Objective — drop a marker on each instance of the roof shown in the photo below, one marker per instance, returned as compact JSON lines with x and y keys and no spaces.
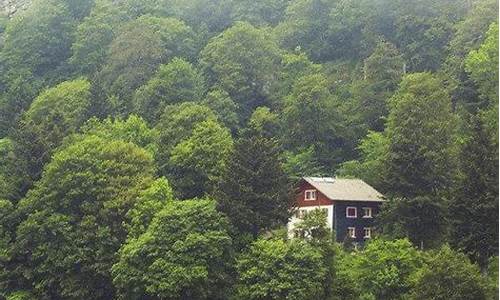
{"x":345,"y":189}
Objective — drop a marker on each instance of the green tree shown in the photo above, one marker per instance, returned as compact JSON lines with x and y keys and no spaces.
{"x":194,"y":258}
{"x":7,"y":230}
{"x":197,"y":162}
{"x":178,"y":39}
{"x":468,"y":36}
{"x":207,"y":17}
{"x":65,"y":105}
{"x":133,"y":56}
{"x":72,"y":221}
{"x":382,"y":72}
{"x":492,"y":273}
{"x":9,"y":180}
{"x":421,"y":219}
{"x":174,"y":82}
{"x":311,"y":117}
{"x":384,"y":67}
{"x":38,"y":40}
{"x":448,"y":275}
{"x":315,"y":231}
{"x":277,"y":269}
{"x":175,"y":125}
{"x":304,"y":26}
{"x":53,"y":115}
{"x":264,"y":122}
{"x":301,"y":162}
{"x":150,"y":201}
{"x":481,"y":64}
{"x":384,"y":268}
{"x":20,"y":91}
{"x":224,"y":107}
{"x":475,"y":202}
{"x":421,"y":160}
{"x":420,"y":129}
{"x":260,"y":12}
{"x":371,"y":166}
{"x":293,"y":67}
{"x":94,"y":35}
{"x":133,"y":129}
{"x":423,"y":40}
{"x":253,"y":191}
{"x":244,"y":61}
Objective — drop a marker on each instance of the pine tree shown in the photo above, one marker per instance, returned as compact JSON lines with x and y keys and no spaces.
{"x":474,"y":210}
{"x":420,"y":129}
{"x":253,"y":191}
{"x":420,"y":160}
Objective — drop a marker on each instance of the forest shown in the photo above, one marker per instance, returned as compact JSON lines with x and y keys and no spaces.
{"x":149,"y":149}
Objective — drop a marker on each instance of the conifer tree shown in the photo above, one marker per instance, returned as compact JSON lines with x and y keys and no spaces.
{"x":420,"y":160}
{"x":253,"y":192}
{"x":420,"y":129}
{"x":474,"y":209}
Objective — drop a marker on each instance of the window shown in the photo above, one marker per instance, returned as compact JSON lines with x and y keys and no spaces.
{"x":367,"y":232}
{"x":351,"y":232}
{"x":351,"y":212}
{"x":367,"y":212}
{"x":310,"y":195}
{"x":300,"y":214}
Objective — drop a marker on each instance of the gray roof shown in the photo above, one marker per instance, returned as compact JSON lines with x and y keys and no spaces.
{"x":344,"y":189}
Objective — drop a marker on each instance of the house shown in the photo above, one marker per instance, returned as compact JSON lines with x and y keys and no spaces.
{"x":351,"y":206}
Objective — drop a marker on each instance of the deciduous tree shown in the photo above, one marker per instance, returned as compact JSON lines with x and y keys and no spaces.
{"x":192,"y":263}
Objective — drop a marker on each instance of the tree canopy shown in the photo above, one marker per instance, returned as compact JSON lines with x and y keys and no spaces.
{"x":151,"y":149}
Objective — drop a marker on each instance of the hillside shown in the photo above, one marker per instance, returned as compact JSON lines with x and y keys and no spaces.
{"x":152,"y":149}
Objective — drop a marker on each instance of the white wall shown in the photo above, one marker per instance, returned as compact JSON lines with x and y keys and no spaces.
{"x":294,"y":220}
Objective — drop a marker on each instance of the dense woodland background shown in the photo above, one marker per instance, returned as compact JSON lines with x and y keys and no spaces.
{"x":149,"y":147}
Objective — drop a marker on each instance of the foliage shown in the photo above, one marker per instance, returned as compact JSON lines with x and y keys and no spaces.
{"x":72,"y":220}
{"x":17,"y":97}
{"x":113,"y":111}
{"x":94,"y":35}
{"x":421,"y":219}
{"x":311,"y":116}
{"x":253,"y":191}
{"x":420,"y":129}
{"x":174,"y":83}
{"x":371,"y":166}
{"x":276,"y":269}
{"x":259,"y":12}
{"x":199,"y":161}
{"x":54,"y":114}
{"x":133,"y":129}
{"x":264,"y":122}
{"x":181,"y":140}
{"x":383,"y":268}
{"x":243,"y":61}
{"x":304,"y":25}
{"x":301,"y":162}
{"x":314,"y":230}
{"x":133,"y":56}
{"x":492,"y":273}
{"x":476,"y":199}
{"x":224,"y":107}
{"x":482,"y":65}
{"x":60,"y":110}
{"x":194,"y":257}
{"x":38,"y":40}
{"x":150,"y":201}
{"x":448,"y":275}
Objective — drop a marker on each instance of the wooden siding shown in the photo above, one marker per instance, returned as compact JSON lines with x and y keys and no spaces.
{"x":300,"y":196}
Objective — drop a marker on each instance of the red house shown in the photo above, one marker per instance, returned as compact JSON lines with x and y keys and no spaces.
{"x":351,"y":205}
